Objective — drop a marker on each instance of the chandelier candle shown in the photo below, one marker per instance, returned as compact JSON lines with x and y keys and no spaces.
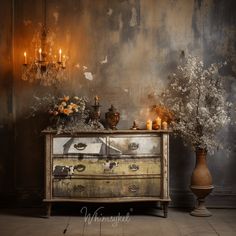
{"x":40,"y":54}
{"x":59,"y":59}
{"x":64,"y":61}
{"x":25,"y":58}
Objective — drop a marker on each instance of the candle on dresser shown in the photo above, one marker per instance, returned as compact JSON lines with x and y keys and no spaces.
{"x":158,"y":122}
{"x":164,"y":125}
{"x":25,"y":58}
{"x":149,"y":125}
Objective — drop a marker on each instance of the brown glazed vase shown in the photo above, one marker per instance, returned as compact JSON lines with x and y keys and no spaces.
{"x":201,"y":183}
{"x":112,"y":117}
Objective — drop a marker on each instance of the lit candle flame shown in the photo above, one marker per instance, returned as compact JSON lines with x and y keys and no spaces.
{"x":25,"y":61}
{"x":40,"y":54}
{"x":59,"y":59}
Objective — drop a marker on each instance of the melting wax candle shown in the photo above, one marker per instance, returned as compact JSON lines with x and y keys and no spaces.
{"x":149,"y":125}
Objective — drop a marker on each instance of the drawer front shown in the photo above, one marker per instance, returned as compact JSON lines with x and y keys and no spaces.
{"x":134,"y":145}
{"x":106,"y":188}
{"x":79,"y":145}
{"x":94,"y":166}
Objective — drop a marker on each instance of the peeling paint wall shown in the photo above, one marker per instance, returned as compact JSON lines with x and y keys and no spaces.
{"x":122,"y":51}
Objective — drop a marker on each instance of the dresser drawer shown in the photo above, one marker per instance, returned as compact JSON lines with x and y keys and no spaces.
{"x":79,"y":145}
{"x":134,"y":145}
{"x":94,"y":166}
{"x":107,"y":188}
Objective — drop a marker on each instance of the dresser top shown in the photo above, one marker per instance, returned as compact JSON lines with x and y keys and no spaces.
{"x":107,"y":132}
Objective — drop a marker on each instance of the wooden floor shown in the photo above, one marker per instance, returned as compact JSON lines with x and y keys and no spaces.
{"x":22,"y":222}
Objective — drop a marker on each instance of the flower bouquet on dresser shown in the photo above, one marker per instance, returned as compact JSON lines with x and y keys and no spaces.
{"x":66,"y":113}
{"x":196,"y":97}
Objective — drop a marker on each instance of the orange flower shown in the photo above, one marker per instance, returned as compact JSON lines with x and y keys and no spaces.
{"x":61,"y":109}
{"x":67,"y":112}
{"x":69,"y":107}
{"x":74,"y":106}
{"x":63,"y":104}
{"x":66,"y":98}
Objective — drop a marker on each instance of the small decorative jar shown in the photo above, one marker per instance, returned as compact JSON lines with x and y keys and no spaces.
{"x":112,"y":117}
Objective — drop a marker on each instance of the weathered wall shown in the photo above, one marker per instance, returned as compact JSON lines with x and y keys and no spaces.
{"x":142,"y":41}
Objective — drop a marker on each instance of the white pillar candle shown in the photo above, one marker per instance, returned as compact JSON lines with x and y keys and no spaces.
{"x":164,"y":125}
{"x":149,"y":125}
{"x":158,"y":122}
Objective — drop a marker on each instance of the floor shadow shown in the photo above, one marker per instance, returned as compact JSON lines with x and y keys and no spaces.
{"x":83,"y":209}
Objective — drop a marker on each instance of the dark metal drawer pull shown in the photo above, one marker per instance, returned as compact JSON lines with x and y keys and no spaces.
{"x":133,"y":188}
{"x":133,"y":146}
{"x":79,"y":188}
{"x":80,"y":168}
{"x":134,"y":167}
{"x":80,"y":146}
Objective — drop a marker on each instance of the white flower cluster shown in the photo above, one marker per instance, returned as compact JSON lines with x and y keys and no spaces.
{"x":197,"y":99}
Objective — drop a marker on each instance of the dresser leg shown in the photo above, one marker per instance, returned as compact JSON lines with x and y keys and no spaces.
{"x":165,"y":209}
{"x":49,"y":208}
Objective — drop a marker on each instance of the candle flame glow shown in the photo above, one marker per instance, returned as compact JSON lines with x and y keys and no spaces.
{"x":24,"y":54}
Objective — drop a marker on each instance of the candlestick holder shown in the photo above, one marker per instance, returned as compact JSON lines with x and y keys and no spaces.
{"x":94,"y":120}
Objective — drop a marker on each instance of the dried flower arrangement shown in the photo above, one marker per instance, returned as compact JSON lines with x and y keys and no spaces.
{"x":163,"y":112}
{"x":197,"y":98}
{"x":67,"y":113}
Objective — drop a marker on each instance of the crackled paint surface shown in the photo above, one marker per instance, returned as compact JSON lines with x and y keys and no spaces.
{"x":122,"y":51}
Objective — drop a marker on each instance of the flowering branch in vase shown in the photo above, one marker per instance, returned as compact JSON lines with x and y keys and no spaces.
{"x":197,"y":99}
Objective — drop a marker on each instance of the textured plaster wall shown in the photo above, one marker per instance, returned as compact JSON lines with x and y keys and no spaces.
{"x":129,"y":47}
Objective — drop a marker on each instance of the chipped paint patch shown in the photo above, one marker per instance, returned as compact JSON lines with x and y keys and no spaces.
{"x":109,"y":12}
{"x":85,"y":67}
{"x":133,"y":21}
{"x":124,"y":115}
{"x":104,"y":61}
{"x":88,"y":76}
{"x":56,"y":16}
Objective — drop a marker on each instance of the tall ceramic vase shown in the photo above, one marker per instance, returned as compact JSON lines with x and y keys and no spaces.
{"x":201,"y":183}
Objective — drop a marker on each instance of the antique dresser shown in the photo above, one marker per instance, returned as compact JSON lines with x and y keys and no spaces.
{"x":107,"y":166}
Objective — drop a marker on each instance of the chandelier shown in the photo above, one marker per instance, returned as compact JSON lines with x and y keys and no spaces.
{"x":45,"y":67}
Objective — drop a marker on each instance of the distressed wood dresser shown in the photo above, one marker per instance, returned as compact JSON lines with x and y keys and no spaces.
{"x":107,"y":166}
